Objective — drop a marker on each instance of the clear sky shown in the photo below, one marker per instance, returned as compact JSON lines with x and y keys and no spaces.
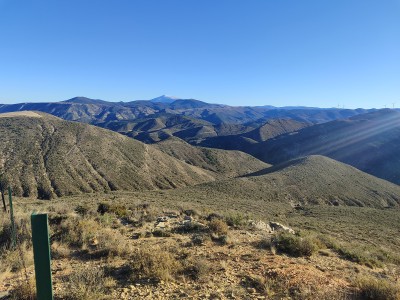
{"x":247,"y":52}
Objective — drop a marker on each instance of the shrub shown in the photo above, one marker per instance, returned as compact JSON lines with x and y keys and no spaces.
{"x":198,"y":269}
{"x":15,"y":260}
{"x":237,"y":220}
{"x":377,"y":289}
{"x":87,"y":284}
{"x":212,"y":216}
{"x":59,"y":250}
{"x":103,"y":208}
{"x":257,"y":282}
{"x":111,"y":243}
{"x":358,"y":257}
{"x":82,"y":210}
{"x":23,"y":291}
{"x":78,"y":232}
{"x":295,"y":245}
{"x":218,"y":227}
{"x":22,"y":229}
{"x":200,"y":239}
{"x":153,"y":264}
{"x":87,"y":234}
{"x":161,"y":233}
{"x":222,"y":239}
{"x":355,"y":254}
{"x":119,"y":210}
{"x":191,"y":212}
{"x":265,"y":243}
{"x":190,"y":227}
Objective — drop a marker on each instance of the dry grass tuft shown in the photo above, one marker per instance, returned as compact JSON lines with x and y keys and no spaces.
{"x":197,"y":269}
{"x":87,"y":284}
{"x":296,"y":246}
{"x":23,"y":291}
{"x":153,"y":264}
{"x":218,"y":227}
{"x":377,"y":289}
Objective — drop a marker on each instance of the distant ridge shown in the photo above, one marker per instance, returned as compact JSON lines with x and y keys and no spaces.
{"x":95,"y":111}
{"x":84,"y":100}
{"x":369,"y":142}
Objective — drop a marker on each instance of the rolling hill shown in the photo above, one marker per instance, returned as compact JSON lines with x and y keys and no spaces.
{"x":369,"y":142}
{"x":44,"y":156}
{"x":225,"y":162}
{"x":312,"y":180}
{"x":244,"y":141}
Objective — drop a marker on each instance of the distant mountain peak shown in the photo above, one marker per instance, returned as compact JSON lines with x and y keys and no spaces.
{"x":85,"y":100}
{"x":165,"y":99}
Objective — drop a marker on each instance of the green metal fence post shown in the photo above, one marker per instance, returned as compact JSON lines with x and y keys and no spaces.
{"x":4,"y":201}
{"x":41,"y":255}
{"x":13,"y":229}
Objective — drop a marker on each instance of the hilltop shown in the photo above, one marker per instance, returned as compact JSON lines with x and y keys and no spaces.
{"x":369,"y":142}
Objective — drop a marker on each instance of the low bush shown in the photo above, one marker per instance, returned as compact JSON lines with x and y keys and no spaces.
{"x":218,"y":227}
{"x":197,"y":269}
{"x":119,"y":210}
{"x":200,"y":239}
{"x":82,"y":210}
{"x":377,"y":289}
{"x":78,"y":232}
{"x":264,"y":243}
{"x":224,"y":239}
{"x":213,"y":216}
{"x":259,"y":283}
{"x":237,"y":220}
{"x":153,"y":264}
{"x":161,"y":233}
{"x":111,"y":243}
{"x":23,"y":291}
{"x":191,"y":227}
{"x":16,"y":259}
{"x":294,"y":245}
{"x":355,"y":254}
{"x":87,"y":284}
{"x":191,"y":212}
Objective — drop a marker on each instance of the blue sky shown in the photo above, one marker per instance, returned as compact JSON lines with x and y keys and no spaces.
{"x":256,"y":52}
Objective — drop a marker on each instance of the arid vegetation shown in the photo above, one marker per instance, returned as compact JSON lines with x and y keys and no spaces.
{"x":127,"y":248}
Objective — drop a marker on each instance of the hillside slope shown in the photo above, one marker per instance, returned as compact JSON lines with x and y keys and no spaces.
{"x":244,"y":141}
{"x":309,"y":180}
{"x":44,"y":156}
{"x":227,"y":163}
{"x":369,"y":142}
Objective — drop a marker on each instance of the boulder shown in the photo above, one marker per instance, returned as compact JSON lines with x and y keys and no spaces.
{"x":279,"y":227}
{"x":260,"y":225}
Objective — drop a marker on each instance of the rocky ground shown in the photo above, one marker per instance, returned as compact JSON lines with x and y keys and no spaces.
{"x":237,"y":264}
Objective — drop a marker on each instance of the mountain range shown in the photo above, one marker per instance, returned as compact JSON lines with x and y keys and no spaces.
{"x":168,"y":143}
